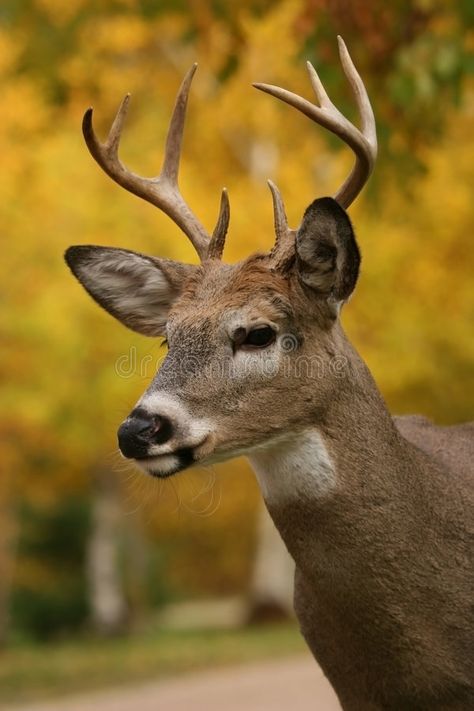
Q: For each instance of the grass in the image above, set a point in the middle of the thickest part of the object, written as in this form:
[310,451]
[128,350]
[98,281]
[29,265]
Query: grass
[44,671]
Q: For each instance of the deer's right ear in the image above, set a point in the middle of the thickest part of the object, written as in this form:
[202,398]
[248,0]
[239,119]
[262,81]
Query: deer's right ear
[327,255]
[135,288]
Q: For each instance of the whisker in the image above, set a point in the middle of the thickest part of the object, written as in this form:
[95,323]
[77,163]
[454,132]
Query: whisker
[209,487]
[178,498]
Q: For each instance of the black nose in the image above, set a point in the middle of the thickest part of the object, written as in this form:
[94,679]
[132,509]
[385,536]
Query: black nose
[140,430]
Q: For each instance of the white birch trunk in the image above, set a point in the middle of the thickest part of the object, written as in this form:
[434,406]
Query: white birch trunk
[271,586]
[106,594]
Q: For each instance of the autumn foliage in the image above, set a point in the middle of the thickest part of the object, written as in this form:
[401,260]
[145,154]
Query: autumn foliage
[70,373]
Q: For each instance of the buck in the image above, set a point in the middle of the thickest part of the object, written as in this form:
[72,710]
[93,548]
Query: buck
[377,511]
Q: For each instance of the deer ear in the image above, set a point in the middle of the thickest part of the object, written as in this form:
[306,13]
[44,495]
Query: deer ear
[135,288]
[327,255]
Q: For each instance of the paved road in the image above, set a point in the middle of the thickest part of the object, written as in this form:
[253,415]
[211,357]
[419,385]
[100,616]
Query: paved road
[294,684]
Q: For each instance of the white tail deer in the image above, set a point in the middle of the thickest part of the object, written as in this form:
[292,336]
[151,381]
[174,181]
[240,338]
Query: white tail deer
[376,511]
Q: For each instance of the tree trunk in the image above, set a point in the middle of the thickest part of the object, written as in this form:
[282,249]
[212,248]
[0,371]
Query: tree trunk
[107,601]
[271,587]
[7,557]
[137,566]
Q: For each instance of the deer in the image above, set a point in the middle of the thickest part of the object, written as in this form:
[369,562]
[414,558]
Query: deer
[376,510]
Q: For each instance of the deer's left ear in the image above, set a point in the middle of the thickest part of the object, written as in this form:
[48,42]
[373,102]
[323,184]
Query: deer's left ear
[327,255]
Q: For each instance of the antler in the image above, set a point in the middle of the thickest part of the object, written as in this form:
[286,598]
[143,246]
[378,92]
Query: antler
[162,191]
[363,142]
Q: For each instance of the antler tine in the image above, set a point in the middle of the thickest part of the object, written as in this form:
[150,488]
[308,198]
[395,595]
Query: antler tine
[174,139]
[363,143]
[284,236]
[161,191]
[109,149]
[279,214]
[216,245]
[361,96]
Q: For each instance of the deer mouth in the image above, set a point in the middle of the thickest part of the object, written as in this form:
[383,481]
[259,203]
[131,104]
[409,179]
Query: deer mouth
[168,463]
[165,465]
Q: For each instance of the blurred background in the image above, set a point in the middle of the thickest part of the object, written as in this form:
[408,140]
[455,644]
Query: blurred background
[107,576]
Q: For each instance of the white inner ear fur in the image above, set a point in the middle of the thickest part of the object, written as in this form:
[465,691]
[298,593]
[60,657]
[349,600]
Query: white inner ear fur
[136,288]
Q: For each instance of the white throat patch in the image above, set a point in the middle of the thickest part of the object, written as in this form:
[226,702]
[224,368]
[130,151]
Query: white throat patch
[296,468]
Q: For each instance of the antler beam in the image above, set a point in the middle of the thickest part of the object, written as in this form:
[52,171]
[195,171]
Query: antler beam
[161,191]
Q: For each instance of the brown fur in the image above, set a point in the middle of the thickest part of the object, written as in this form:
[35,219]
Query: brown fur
[384,578]
[384,574]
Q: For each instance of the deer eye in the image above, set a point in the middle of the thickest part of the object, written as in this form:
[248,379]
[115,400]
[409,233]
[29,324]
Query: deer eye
[260,337]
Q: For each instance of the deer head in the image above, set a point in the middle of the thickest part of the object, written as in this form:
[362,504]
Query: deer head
[247,340]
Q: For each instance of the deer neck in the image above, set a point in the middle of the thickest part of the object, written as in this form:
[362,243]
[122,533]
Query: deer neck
[328,477]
